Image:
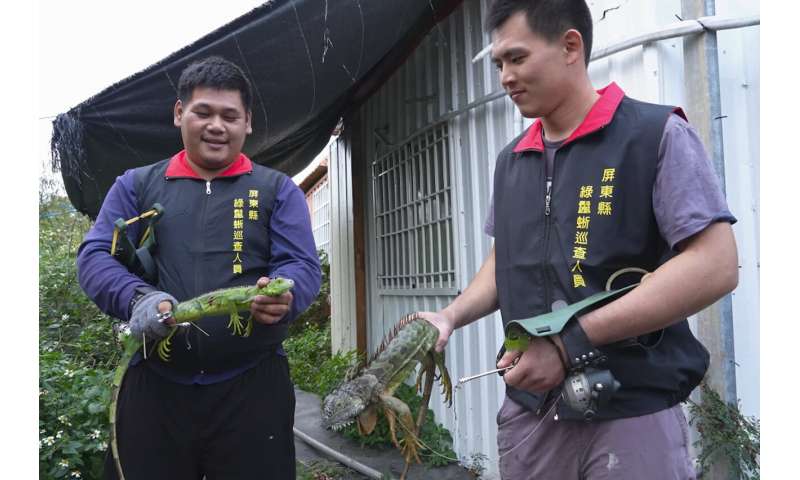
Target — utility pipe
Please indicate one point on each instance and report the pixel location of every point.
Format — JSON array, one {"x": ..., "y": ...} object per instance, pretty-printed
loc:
[
  {"x": 339, "y": 457},
  {"x": 678, "y": 29}
]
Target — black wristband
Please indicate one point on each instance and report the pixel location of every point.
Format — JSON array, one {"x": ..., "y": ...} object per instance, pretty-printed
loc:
[
  {"x": 580, "y": 352},
  {"x": 138, "y": 293}
]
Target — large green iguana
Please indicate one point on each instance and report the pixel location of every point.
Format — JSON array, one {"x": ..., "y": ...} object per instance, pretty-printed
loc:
[
  {"x": 372, "y": 387},
  {"x": 229, "y": 301}
]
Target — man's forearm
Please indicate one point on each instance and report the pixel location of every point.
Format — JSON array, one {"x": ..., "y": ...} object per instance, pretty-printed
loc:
[
  {"x": 478, "y": 299},
  {"x": 703, "y": 272}
]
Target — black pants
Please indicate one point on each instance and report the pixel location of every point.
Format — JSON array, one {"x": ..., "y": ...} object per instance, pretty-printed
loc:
[{"x": 237, "y": 429}]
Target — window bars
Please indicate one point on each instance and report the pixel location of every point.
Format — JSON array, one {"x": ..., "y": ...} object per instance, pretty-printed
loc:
[{"x": 414, "y": 213}]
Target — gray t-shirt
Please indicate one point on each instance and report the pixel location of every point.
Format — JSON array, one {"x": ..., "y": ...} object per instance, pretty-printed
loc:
[{"x": 687, "y": 197}]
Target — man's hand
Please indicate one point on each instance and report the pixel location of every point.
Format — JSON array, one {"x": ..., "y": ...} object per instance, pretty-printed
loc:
[
  {"x": 144, "y": 316},
  {"x": 443, "y": 323},
  {"x": 539, "y": 370},
  {"x": 270, "y": 310}
]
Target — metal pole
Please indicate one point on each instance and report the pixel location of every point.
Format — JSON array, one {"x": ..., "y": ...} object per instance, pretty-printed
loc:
[
  {"x": 680, "y": 29},
  {"x": 677, "y": 29},
  {"x": 339, "y": 457},
  {"x": 703, "y": 107}
]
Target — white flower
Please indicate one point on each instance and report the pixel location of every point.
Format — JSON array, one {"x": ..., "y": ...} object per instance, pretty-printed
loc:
[
  {"x": 69, "y": 373},
  {"x": 75, "y": 474},
  {"x": 43, "y": 392},
  {"x": 49, "y": 441},
  {"x": 58, "y": 433},
  {"x": 63, "y": 419},
  {"x": 95, "y": 435},
  {"x": 102, "y": 446},
  {"x": 63, "y": 463},
  {"x": 65, "y": 317}
]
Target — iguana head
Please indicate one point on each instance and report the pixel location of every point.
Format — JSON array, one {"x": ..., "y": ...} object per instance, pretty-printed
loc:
[
  {"x": 278, "y": 286},
  {"x": 341, "y": 407}
]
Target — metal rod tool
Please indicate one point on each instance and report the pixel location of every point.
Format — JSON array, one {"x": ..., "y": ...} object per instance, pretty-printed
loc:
[
  {"x": 473, "y": 377},
  {"x": 496, "y": 370}
]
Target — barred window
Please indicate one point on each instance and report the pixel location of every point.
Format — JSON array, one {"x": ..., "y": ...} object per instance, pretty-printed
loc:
[{"x": 414, "y": 213}]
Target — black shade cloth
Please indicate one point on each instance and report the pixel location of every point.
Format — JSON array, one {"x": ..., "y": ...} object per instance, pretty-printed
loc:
[{"x": 310, "y": 62}]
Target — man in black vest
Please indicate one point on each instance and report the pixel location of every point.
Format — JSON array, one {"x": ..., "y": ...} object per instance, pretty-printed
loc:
[
  {"x": 222, "y": 407},
  {"x": 605, "y": 183}
]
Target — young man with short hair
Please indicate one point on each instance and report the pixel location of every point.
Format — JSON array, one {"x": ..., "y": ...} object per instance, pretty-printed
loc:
[
  {"x": 222, "y": 407},
  {"x": 614, "y": 183}
]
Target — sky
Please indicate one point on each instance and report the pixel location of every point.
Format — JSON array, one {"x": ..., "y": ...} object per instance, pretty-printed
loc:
[
  {"x": 62, "y": 52},
  {"x": 87, "y": 45}
]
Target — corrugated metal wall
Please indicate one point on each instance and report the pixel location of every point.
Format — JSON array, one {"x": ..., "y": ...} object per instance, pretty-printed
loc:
[
  {"x": 440, "y": 78},
  {"x": 740, "y": 86}
]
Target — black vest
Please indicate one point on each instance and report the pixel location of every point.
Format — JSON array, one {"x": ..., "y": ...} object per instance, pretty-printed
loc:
[
  {"x": 600, "y": 221},
  {"x": 198, "y": 248}
]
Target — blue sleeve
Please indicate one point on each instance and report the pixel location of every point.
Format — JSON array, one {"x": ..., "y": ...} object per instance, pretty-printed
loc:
[
  {"x": 293, "y": 253},
  {"x": 105, "y": 280}
]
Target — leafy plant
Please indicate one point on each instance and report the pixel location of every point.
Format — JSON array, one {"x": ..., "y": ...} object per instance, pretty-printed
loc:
[
  {"x": 313, "y": 367},
  {"x": 77, "y": 352},
  {"x": 725, "y": 431},
  {"x": 321, "y": 470},
  {"x": 476, "y": 464},
  {"x": 73, "y": 418},
  {"x": 68, "y": 321}
]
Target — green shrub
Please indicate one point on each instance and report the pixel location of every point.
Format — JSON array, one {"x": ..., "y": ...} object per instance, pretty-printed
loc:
[
  {"x": 77, "y": 352},
  {"x": 726, "y": 435},
  {"x": 312, "y": 366},
  {"x": 322, "y": 470},
  {"x": 68, "y": 321},
  {"x": 73, "y": 417}
]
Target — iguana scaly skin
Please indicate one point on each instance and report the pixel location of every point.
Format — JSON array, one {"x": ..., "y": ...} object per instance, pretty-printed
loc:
[
  {"x": 230, "y": 301},
  {"x": 372, "y": 387}
]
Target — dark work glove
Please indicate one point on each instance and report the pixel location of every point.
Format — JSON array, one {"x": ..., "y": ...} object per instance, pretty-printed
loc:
[{"x": 144, "y": 316}]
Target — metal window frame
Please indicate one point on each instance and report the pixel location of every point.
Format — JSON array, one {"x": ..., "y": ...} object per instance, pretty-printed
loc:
[
  {"x": 399, "y": 234},
  {"x": 321, "y": 191}
]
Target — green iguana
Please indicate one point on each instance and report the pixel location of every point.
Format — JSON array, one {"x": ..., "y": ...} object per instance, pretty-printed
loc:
[
  {"x": 372, "y": 387},
  {"x": 230, "y": 301}
]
